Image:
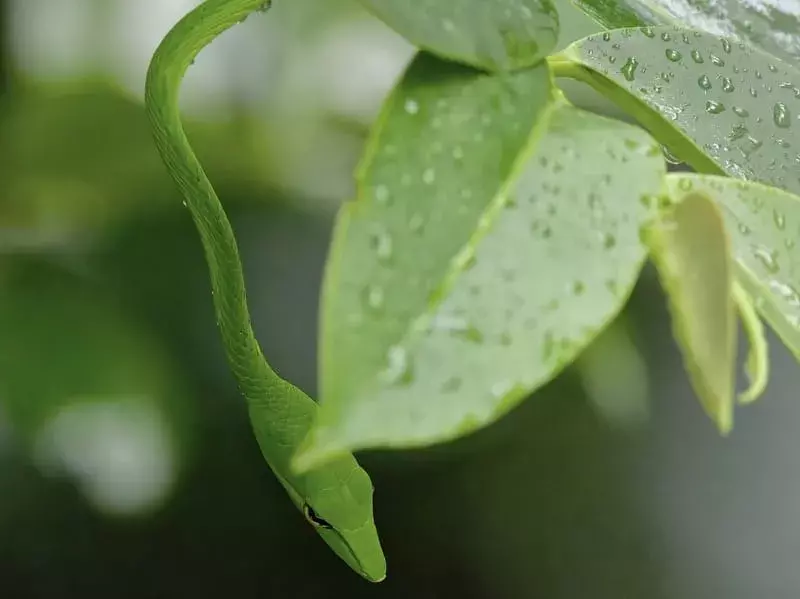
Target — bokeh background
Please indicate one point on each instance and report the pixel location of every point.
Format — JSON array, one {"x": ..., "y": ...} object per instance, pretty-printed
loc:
[{"x": 127, "y": 465}]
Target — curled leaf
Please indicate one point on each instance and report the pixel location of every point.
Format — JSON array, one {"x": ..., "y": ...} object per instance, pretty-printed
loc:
[{"x": 690, "y": 249}]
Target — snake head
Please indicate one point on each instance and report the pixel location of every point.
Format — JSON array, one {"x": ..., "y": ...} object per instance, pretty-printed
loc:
[{"x": 338, "y": 504}]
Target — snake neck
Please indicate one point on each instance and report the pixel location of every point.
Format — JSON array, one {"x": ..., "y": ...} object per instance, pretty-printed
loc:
[{"x": 256, "y": 380}]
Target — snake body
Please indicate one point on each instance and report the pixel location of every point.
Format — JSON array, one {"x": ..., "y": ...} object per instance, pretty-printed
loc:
[{"x": 336, "y": 498}]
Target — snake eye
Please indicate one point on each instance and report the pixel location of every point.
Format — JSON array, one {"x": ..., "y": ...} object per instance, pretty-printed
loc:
[{"x": 312, "y": 517}]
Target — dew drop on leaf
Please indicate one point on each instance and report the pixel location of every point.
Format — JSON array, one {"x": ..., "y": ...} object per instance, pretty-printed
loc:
[
  {"x": 766, "y": 257},
  {"x": 697, "y": 57},
  {"x": 727, "y": 85},
  {"x": 786, "y": 291},
  {"x": 713, "y": 107},
  {"x": 374, "y": 298},
  {"x": 411, "y": 106},
  {"x": 382, "y": 194},
  {"x": 628, "y": 70},
  {"x": 399, "y": 370},
  {"x": 382, "y": 244},
  {"x": 673, "y": 55},
  {"x": 704, "y": 82},
  {"x": 781, "y": 115},
  {"x": 779, "y": 219}
]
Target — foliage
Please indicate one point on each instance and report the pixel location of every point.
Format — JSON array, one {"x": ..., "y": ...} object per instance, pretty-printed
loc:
[
  {"x": 498, "y": 230},
  {"x": 458, "y": 285}
]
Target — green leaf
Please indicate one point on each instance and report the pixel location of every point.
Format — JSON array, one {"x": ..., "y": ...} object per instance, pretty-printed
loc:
[
  {"x": 757, "y": 366},
  {"x": 489, "y": 34},
  {"x": 764, "y": 223},
  {"x": 722, "y": 106},
  {"x": 444, "y": 146},
  {"x": 690, "y": 249},
  {"x": 764, "y": 24},
  {"x": 549, "y": 262}
]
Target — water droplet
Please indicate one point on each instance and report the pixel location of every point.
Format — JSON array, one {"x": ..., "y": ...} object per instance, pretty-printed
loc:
[
  {"x": 609, "y": 241},
  {"x": 740, "y": 112},
  {"x": 766, "y": 257},
  {"x": 788, "y": 243},
  {"x": 606, "y": 37},
  {"x": 648, "y": 32},
  {"x": 754, "y": 92},
  {"x": 501, "y": 389},
  {"x": 429, "y": 176},
  {"x": 673, "y": 55},
  {"x": 375, "y": 297},
  {"x": 411, "y": 106},
  {"x": 738, "y": 131},
  {"x": 781, "y": 115},
  {"x": 666, "y": 36},
  {"x": 716, "y": 60},
  {"x": 786, "y": 291},
  {"x": 713, "y": 107},
  {"x": 382, "y": 194},
  {"x": 744, "y": 229},
  {"x": 779, "y": 219},
  {"x": 578, "y": 287},
  {"x": 773, "y": 68},
  {"x": 628, "y": 70},
  {"x": 685, "y": 184},
  {"x": 704, "y": 82},
  {"x": 458, "y": 327},
  {"x": 755, "y": 144},
  {"x": 697, "y": 57},
  {"x": 727, "y": 85},
  {"x": 399, "y": 370},
  {"x": 382, "y": 244},
  {"x": 726, "y": 46}
]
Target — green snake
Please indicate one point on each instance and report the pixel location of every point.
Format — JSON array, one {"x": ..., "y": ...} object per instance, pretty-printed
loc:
[{"x": 336, "y": 498}]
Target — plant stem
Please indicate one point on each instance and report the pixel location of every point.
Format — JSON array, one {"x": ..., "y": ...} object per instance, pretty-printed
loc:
[{"x": 660, "y": 128}]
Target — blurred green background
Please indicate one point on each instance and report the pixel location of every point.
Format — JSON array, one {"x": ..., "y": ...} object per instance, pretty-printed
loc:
[{"x": 127, "y": 465}]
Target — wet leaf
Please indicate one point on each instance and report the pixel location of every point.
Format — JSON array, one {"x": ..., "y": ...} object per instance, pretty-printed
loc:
[
  {"x": 489, "y": 34},
  {"x": 722, "y": 106},
  {"x": 690, "y": 248},
  {"x": 764, "y": 224},
  {"x": 547, "y": 264},
  {"x": 443, "y": 148},
  {"x": 766, "y": 24}
]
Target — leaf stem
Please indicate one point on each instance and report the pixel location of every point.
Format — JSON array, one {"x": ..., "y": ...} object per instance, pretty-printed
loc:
[{"x": 660, "y": 128}]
